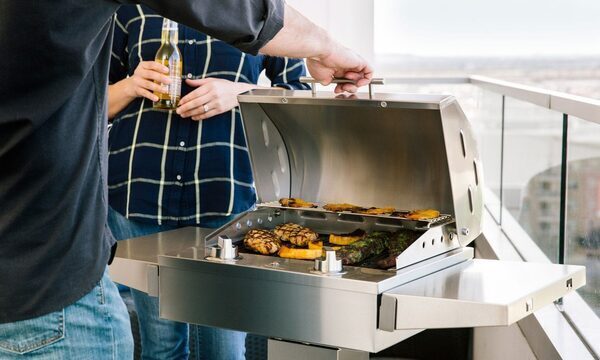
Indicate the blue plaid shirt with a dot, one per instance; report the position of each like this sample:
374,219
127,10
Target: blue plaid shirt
168,170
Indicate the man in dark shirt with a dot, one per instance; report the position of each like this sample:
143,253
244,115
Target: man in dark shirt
55,296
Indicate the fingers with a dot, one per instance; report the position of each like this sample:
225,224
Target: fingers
149,85
206,115
155,66
194,106
154,76
151,70
198,92
198,82
148,95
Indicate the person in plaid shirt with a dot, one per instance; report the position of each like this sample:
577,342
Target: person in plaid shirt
189,167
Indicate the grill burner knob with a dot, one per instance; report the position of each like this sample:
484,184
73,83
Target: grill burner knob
225,250
330,264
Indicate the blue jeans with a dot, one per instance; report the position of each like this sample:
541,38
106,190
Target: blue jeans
165,339
95,327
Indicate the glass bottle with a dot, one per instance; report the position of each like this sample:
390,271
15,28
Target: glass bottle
168,54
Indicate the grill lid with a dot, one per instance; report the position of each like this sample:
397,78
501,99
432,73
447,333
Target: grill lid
402,151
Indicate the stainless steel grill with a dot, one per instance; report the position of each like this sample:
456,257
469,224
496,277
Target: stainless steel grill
404,151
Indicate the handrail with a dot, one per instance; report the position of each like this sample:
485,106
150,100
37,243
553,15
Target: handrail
573,105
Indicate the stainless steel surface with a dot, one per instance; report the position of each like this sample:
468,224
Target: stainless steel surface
285,350
224,250
478,293
300,272
136,260
310,80
303,149
329,265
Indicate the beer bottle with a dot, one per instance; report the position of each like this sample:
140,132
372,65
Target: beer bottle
168,54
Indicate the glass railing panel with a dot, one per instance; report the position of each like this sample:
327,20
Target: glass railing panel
583,205
487,125
531,171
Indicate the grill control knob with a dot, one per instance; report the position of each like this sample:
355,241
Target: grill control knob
330,264
224,250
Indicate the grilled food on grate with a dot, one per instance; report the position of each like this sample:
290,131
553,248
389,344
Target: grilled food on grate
296,203
396,244
262,241
303,254
376,211
342,207
424,214
319,245
372,245
295,234
346,239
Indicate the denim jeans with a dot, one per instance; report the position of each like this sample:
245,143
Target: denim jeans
95,327
164,339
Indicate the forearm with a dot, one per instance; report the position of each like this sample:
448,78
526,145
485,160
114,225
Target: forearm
299,38
118,98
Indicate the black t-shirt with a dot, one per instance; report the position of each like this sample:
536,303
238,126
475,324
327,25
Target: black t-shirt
54,242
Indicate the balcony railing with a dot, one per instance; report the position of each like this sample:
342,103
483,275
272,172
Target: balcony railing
540,151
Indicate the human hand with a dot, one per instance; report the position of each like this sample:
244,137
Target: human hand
145,80
211,97
343,63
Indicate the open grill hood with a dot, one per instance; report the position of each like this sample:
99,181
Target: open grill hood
395,150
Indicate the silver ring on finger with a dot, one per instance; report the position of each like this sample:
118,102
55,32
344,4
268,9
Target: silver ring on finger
206,108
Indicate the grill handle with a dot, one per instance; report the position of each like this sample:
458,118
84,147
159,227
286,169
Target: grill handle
310,80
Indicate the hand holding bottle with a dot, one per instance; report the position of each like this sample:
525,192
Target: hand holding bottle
146,79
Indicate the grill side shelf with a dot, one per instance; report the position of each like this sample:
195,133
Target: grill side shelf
477,293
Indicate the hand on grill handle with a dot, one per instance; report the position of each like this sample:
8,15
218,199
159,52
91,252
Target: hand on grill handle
313,82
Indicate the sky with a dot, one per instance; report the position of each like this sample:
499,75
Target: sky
488,28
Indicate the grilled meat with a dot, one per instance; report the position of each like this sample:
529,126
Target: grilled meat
372,245
342,207
346,239
376,211
396,244
303,254
296,203
424,214
262,241
295,234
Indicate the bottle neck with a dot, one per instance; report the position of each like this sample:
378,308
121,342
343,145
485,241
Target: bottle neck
169,37
170,33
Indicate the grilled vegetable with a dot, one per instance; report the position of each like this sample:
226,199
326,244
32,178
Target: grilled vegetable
396,244
315,245
296,234
424,214
319,245
303,254
372,245
262,241
296,203
376,211
346,239
342,207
